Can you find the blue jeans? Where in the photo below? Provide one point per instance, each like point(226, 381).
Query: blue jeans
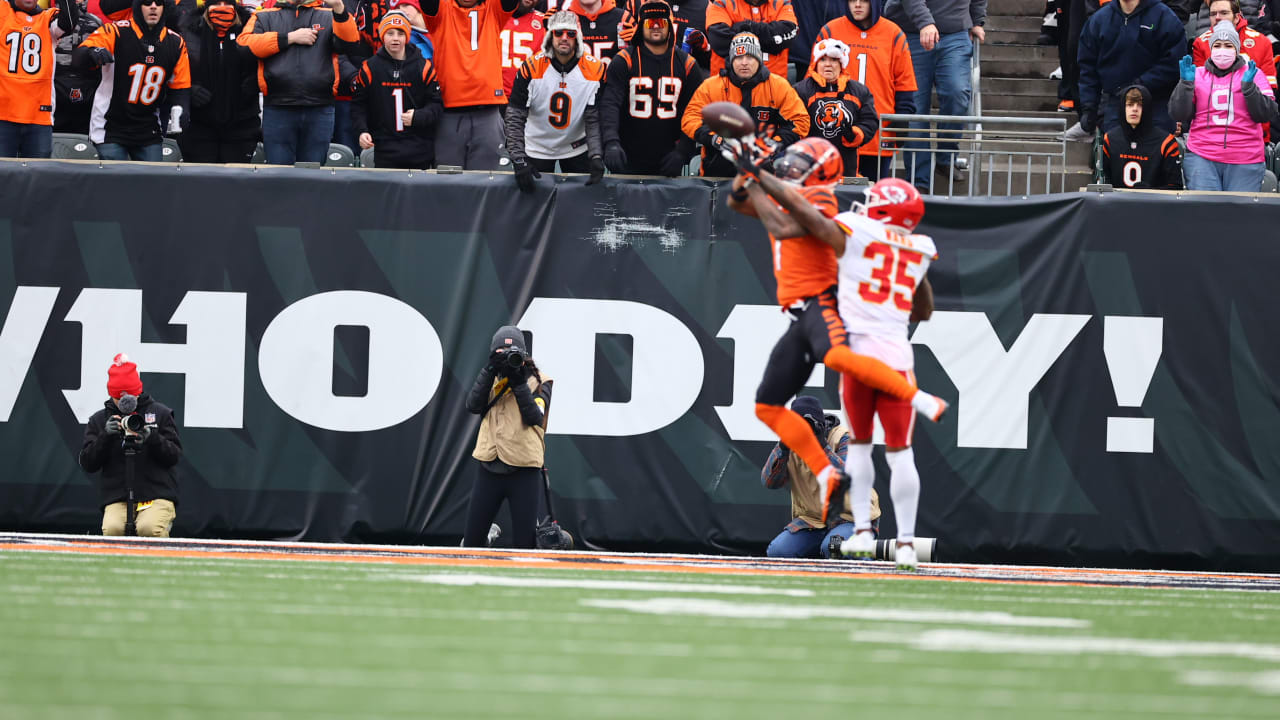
point(945, 67)
point(20, 140)
point(1204, 174)
point(296, 134)
point(807, 543)
point(344, 133)
point(144, 153)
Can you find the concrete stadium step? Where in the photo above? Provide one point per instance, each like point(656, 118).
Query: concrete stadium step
point(1011, 37)
point(1016, 8)
point(1012, 23)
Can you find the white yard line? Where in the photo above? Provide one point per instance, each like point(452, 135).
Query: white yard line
point(1266, 683)
point(473, 579)
point(1004, 643)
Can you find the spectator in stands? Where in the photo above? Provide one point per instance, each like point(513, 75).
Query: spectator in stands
point(419, 37)
point(513, 397)
point(941, 34)
point(142, 87)
point(224, 87)
point(468, 59)
point(397, 100)
point(1127, 42)
point(28, 35)
point(522, 39)
point(772, 22)
point(806, 536)
point(1225, 103)
point(841, 109)
point(296, 43)
point(810, 17)
point(880, 59)
point(689, 15)
point(1256, 14)
point(781, 118)
point(649, 86)
point(1253, 44)
point(553, 115)
point(600, 21)
point(73, 90)
point(112, 442)
point(1137, 154)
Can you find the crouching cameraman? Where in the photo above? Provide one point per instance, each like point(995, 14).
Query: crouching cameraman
point(134, 441)
point(513, 398)
point(806, 536)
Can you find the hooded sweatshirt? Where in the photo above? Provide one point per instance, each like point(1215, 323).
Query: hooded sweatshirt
point(1142, 157)
point(1224, 114)
point(949, 16)
point(1118, 50)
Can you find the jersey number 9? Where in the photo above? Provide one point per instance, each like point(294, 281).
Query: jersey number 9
point(561, 107)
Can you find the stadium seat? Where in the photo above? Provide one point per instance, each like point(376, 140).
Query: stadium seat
point(70, 146)
point(694, 166)
point(1269, 183)
point(366, 158)
point(170, 152)
point(339, 156)
point(259, 155)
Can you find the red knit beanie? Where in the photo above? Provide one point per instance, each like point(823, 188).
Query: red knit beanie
point(122, 377)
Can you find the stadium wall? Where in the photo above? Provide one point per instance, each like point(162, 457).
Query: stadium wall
point(1113, 358)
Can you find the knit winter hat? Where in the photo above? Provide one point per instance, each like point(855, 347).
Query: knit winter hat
point(562, 20)
point(1224, 30)
point(508, 336)
point(831, 48)
point(807, 405)
point(397, 20)
point(122, 377)
point(745, 44)
point(655, 10)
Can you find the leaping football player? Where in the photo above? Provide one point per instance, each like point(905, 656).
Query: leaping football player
point(797, 205)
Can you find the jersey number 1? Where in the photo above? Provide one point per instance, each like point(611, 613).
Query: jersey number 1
point(891, 277)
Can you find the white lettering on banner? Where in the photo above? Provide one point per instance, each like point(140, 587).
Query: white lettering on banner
point(1132, 346)
point(212, 358)
point(28, 315)
point(666, 364)
point(994, 384)
point(754, 330)
point(295, 361)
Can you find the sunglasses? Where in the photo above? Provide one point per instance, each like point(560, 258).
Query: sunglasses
point(654, 23)
point(145, 3)
point(563, 33)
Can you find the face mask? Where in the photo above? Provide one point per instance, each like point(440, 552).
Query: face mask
point(1223, 57)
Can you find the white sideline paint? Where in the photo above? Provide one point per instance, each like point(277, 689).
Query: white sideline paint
point(1267, 683)
point(988, 642)
point(720, 608)
point(471, 579)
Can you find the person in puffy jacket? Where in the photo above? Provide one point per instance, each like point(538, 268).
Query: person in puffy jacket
point(224, 87)
point(1225, 104)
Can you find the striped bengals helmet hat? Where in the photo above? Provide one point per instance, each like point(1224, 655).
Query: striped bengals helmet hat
point(394, 20)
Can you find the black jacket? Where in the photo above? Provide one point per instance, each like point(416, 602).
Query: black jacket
point(376, 108)
point(844, 114)
point(154, 475)
point(299, 75)
point(1145, 157)
point(229, 72)
point(645, 117)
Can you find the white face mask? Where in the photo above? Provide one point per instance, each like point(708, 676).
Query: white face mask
point(1223, 57)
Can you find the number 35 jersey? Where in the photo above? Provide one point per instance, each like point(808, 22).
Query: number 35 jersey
point(557, 102)
point(134, 88)
point(879, 273)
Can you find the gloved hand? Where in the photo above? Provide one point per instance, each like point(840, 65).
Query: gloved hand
point(597, 170)
point(1187, 68)
point(698, 41)
point(629, 26)
point(1089, 120)
point(1250, 70)
point(102, 56)
point(200, 96)
point(672, 164)
point(113, 425)
point(150, 434)
point(615, 158)
point(525, 175)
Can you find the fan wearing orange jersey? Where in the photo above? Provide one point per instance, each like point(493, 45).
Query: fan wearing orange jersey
point(879, 58)
point(772, 21)
point(797, 207)
point(27, 38)
point(468, 44)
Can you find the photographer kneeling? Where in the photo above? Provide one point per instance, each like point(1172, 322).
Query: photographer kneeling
point(134, 442)
point(805, 536)
point(513, 397)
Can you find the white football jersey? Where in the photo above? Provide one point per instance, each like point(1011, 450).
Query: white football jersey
point(879, 273)
point(556, 127)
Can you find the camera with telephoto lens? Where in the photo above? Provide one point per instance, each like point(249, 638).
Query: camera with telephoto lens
point(513, 359)
point(550, 536)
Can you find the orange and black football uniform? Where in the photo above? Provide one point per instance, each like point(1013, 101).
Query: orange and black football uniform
point(879, 59)
point(150, 74)
point(773, 22)
point(26, 66)
point(468, 49)
point(768, 98)
point(843, 113)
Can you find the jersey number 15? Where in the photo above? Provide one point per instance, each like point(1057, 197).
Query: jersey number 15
point(892, 277)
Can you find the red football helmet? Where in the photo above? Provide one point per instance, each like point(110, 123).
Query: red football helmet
point(894, 202)
point(811, 161)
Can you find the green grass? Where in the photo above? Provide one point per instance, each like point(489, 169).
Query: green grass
point(89, 636)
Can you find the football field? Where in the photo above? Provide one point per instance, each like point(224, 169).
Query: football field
point(125, 628)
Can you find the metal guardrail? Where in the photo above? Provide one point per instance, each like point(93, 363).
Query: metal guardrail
point(983, 150)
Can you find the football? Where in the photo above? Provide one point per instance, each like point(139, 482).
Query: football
point(728, 119)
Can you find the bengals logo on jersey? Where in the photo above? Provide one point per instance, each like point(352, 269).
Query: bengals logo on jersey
point(830, 116)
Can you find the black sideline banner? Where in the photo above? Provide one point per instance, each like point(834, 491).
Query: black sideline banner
point(1111, 359)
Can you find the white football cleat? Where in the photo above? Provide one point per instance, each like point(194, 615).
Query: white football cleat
point(905, 558)
point(861, 545)
point(930, 406)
